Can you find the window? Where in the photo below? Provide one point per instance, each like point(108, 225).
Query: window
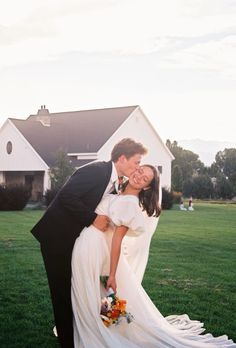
point(9, 147)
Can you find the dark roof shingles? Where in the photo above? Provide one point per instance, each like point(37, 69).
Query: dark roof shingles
point(73, 132)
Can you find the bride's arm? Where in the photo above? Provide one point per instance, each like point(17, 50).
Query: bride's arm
point(118, 235)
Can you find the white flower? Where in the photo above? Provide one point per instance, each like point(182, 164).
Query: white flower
point(106, 303)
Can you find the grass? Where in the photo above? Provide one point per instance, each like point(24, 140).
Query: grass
point(191, 270)
point(192, 266)
point(26, 314)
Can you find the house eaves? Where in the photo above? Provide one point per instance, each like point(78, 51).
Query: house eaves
point(161, 141)
point(28, 144)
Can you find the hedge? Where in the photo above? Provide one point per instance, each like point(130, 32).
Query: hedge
point(13, 197)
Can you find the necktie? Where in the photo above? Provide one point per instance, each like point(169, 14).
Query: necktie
point(117, 185)
point(120, 183)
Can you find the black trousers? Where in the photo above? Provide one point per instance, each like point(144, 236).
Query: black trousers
point(58, 268)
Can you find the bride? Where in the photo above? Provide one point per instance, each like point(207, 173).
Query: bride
point(97, 253)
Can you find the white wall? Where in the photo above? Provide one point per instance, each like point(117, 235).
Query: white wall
point(23, 156)
point(138, 128)
point(46, 181)
point(2, 178)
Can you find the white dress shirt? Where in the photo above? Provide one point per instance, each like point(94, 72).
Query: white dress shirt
point(113, 180)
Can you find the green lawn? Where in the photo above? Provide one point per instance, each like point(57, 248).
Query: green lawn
point(191, 270)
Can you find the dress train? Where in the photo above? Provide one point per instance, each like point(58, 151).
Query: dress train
point(149, 328)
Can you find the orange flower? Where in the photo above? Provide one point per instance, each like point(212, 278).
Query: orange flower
point(121, 305)
point(115, 313)
point(113, 309)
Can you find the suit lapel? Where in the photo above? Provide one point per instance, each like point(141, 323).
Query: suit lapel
point(107, 176)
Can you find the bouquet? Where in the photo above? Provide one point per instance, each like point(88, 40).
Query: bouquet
point(113, 309)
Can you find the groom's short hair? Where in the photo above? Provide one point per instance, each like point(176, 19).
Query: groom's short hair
point(127, 147)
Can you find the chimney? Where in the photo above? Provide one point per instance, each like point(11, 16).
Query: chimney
point(43, 116)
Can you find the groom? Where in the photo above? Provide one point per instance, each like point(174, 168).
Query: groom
point(72, 209)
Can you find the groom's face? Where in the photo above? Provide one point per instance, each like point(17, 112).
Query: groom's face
point(129, 165)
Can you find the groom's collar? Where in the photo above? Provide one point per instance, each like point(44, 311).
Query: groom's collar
point(114, 174)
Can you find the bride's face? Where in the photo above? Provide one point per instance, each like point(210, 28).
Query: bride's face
point(141, 178)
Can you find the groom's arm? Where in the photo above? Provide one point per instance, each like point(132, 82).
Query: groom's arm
point(101, 222)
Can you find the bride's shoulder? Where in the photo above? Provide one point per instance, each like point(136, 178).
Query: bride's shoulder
point(125, 210)
point(126, 200)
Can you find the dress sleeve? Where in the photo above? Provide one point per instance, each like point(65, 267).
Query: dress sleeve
point(126, 211)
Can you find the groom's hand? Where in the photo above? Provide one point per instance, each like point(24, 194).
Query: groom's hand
point(101, 222)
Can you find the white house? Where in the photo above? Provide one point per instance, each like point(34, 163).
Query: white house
point(28, 148)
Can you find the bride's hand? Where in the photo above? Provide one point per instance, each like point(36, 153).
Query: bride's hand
point(111, 283)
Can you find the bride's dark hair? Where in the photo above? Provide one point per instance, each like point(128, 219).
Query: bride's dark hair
point(149, 198)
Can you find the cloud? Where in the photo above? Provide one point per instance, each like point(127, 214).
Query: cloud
point(217, 56)
point(16, 34)
point(182, 33)
point(43, 18)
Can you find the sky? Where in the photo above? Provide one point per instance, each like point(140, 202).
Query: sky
point(174, 58)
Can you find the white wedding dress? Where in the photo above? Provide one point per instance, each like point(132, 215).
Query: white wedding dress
point(91, 259)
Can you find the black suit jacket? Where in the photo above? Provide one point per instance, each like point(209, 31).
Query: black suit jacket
point(73, 207)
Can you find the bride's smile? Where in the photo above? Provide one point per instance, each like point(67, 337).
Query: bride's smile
point(140, 179)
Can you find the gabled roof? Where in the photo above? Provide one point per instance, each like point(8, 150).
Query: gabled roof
point(73, 132)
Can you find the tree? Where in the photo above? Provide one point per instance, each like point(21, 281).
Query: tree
point(199, 187)
point(61, 171)
point(187, 161)
point(188, 188)
point(224, 188)
point(177, 179)
point(225, 164)
point(197, 178)
point(203, 187)
point(229, 168)
point(58, 174)
point(168, 144)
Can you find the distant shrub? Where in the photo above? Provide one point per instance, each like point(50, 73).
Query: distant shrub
point(199, 186)
point(177, 197)
point(167, 199)
point(188, 188)
point(50, 195)
point(13, 197)
point(224, 188)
